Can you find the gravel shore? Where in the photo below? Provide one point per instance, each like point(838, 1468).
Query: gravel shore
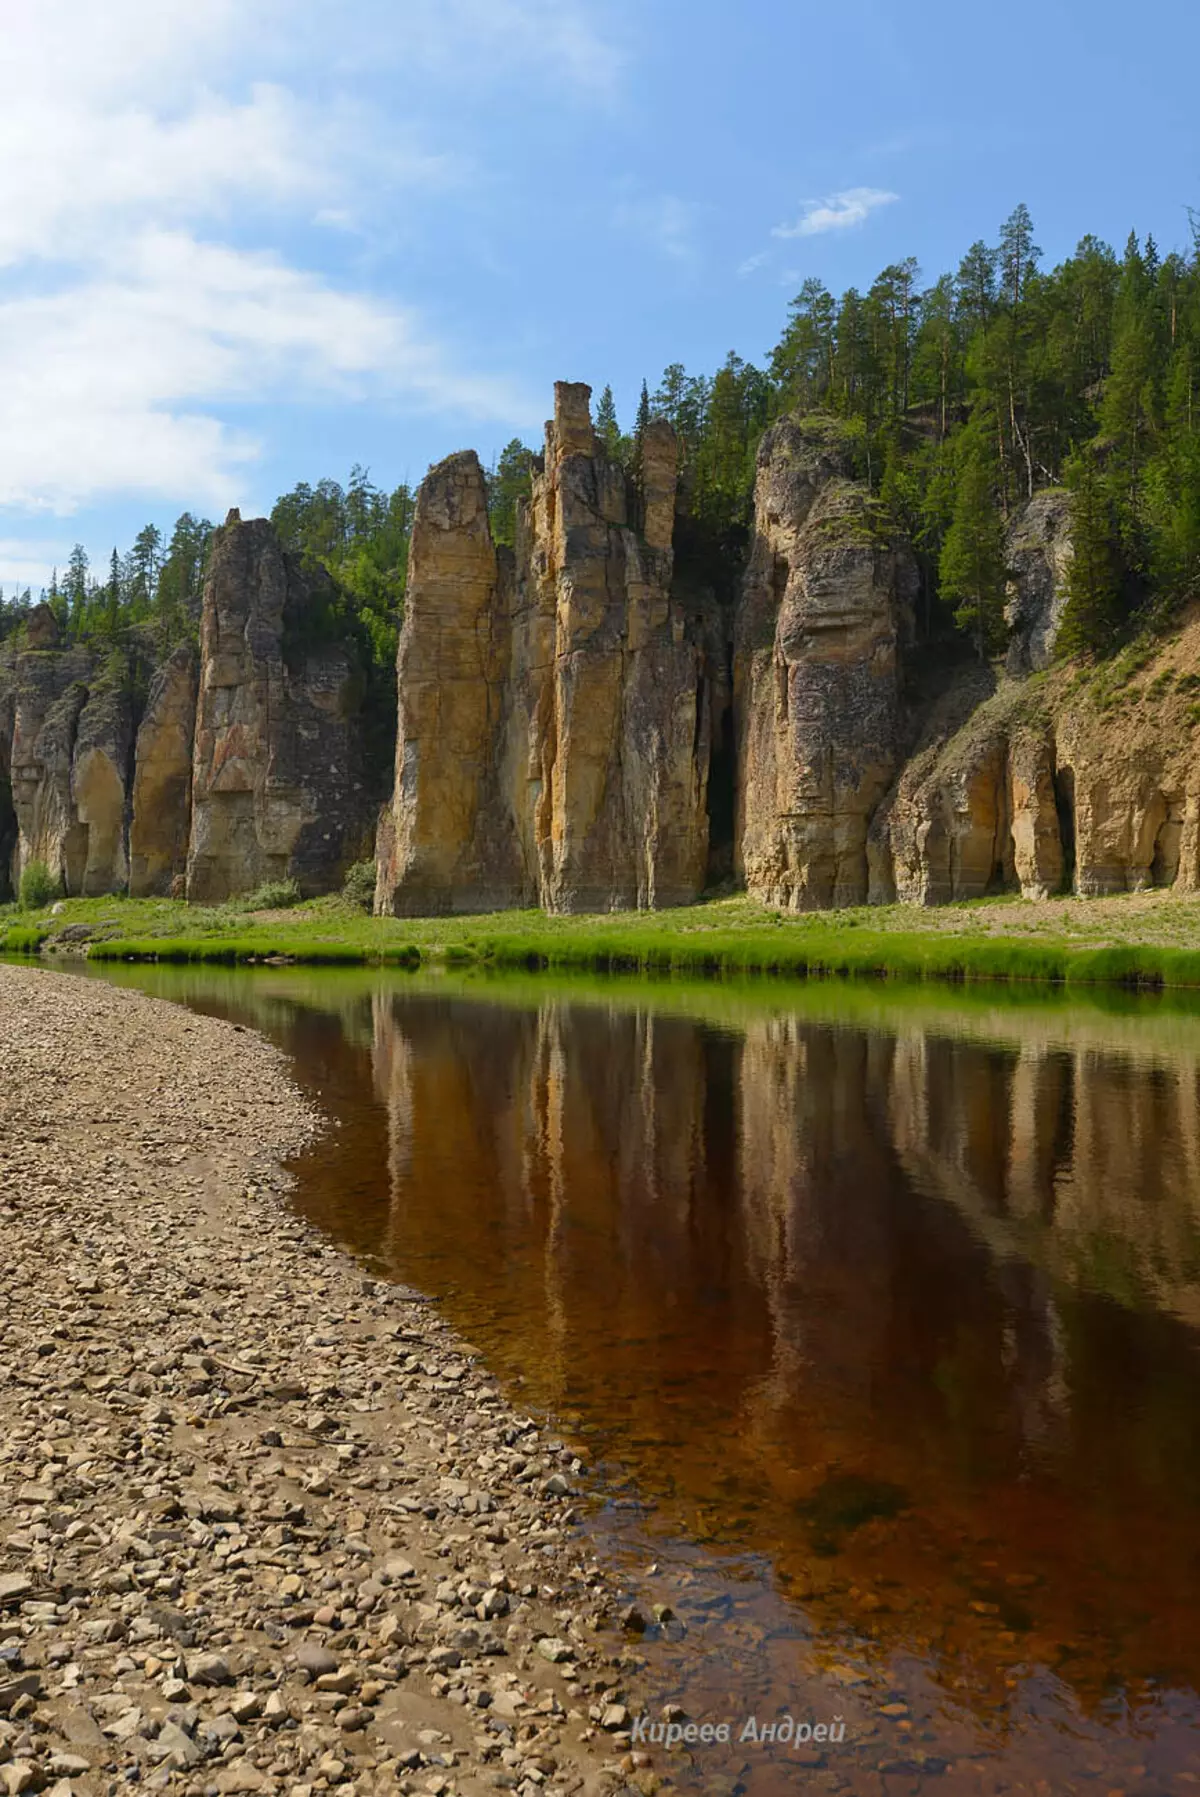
point(264, 1524)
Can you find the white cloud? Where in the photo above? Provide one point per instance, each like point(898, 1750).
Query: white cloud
point(664, 221)
point(752, 264)
point(837, 212)
point(103, 385)
point(131, 143)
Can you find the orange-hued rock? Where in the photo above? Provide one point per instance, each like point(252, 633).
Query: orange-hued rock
point(66, 730)
point(553, 740)
point(277, 791)
point(824, 609)
point(162, 779)
point(447, 841)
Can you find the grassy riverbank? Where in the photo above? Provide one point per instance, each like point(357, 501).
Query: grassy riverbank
point(1146, 939)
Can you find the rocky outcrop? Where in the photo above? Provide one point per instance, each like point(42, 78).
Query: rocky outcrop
point(43, 692)
point(261, 780)
point(446, 841)
point(101, 771)
point(1038, 552)
point(825, 607)
point(553, 736)
point(276, 787)
point(162, 780)
point(974, 808)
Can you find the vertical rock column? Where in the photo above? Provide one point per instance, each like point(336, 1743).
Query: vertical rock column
point(162, 780)
point(276, 787)
point(619, 735)
point(447, 842)
point(553, 741)
point(824, 607)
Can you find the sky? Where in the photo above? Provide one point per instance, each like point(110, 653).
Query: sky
point(253, 242)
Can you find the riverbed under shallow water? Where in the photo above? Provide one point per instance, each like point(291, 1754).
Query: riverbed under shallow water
point(881, 1314)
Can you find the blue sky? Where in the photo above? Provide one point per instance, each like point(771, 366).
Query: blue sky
point(254, 241)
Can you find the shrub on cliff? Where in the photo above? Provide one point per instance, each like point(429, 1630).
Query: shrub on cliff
point(274, 895)
point(359, 886)
point(38, 887)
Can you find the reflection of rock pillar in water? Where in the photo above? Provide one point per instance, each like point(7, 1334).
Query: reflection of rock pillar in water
point(775, 1195)
point(554, 1060)
point(392, 1061)
point(977, 1132)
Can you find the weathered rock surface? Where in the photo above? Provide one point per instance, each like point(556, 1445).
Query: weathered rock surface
point(262, 779)
point(43, 692)
point(825, 607)
point(553, 742)
point(1038, 552)
point(162, 779)
point(101, 772)
point(447, 841)
point(277, 790)
point(973, 811)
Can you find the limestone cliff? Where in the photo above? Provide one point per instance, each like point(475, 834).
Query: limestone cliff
point(447, 841)
point(553, 737)
point(1038, 552)
point(276, 786)
point(162, 780)
point(64, 741)
point(260, 779)
point(1084, 780)
point(825, 608)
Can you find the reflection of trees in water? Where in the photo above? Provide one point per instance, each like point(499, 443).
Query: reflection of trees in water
point(759, 1260)
point(1086, 1163)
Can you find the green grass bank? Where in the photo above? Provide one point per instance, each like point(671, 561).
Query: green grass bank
point(1144, 940)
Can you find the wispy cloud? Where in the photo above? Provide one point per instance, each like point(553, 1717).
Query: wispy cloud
point(478, 36)
point(664, 221)
point(837, 212)
point(136, 163)
point(752, 264)
point(109, 385)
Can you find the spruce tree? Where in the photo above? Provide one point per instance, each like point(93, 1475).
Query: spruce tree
point(971, 568)
point(1092, 617)
point(607, 428)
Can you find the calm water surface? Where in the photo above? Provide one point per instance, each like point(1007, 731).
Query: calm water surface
point(883, 1317)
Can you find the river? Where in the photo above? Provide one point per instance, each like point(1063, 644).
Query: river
point(879, 1313)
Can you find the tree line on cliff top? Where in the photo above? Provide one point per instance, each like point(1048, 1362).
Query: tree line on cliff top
point(955, 401)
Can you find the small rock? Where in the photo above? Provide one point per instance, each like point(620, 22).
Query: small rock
point(343, 1682)
point(315, 1659)
point(173, 1744)
point(556, 1651)
point(209, 1669)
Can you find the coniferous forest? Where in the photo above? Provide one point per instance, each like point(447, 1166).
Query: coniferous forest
point(957, 400)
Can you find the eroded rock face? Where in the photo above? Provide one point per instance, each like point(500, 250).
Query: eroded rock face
point(972, 812)
point(46, 692)
point(101, 771)
point(825, 605)
point(1038, 550)
point(446, 843)
point(276, 787)
point(162, 780)
point(553, 743)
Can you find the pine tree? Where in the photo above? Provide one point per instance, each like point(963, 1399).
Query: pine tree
point(509, 482)
point(607, 428)
point(971, 568)
point(1092, 616)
